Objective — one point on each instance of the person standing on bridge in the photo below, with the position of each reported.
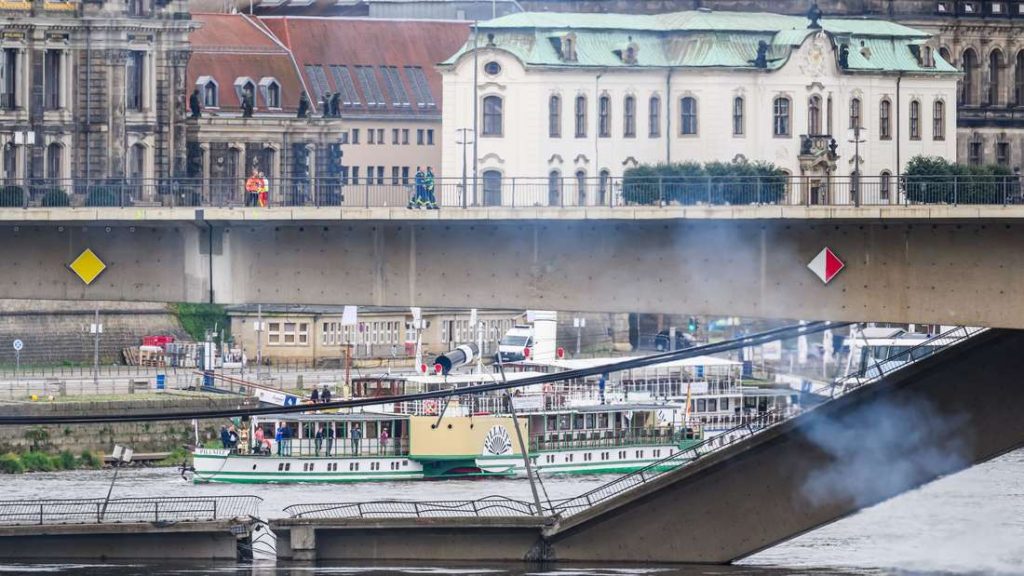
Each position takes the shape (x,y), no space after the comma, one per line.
(417,198)
(252,188)
(264,191)
(315,396)
(325,396)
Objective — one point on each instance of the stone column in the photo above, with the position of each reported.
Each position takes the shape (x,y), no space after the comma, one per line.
(176,110)
(117,60)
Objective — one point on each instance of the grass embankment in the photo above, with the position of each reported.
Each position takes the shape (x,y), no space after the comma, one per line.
(15,463)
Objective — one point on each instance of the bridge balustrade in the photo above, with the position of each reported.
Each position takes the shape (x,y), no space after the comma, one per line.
(99,510)
(517,192)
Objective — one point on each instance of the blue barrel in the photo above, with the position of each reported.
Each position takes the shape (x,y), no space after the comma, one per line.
(161,381)
(208,379)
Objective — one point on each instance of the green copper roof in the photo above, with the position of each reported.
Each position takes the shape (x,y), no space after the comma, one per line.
(696,39)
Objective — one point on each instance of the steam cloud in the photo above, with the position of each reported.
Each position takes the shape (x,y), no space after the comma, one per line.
(879,451)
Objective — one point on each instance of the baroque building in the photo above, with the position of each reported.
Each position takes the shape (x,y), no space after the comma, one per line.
(92,90)
(596,94)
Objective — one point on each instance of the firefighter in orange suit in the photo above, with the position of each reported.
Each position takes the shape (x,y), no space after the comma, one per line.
(264,191)
(252,188)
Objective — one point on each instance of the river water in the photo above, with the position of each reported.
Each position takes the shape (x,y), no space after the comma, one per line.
(968,523)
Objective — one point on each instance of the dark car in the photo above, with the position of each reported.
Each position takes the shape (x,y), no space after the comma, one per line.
(683,340)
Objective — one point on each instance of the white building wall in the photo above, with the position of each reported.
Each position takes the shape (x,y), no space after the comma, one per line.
(525,151)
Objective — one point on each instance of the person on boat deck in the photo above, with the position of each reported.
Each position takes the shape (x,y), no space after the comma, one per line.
(330,439)
(279,438)
(325,396)
(315,396)
(357,435)
(225,437)
(258,439)
(383,440)
(232,438)
(319,438)
(287,441)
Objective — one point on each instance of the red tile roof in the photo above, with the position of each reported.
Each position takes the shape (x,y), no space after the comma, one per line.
(231,46)
(358,42)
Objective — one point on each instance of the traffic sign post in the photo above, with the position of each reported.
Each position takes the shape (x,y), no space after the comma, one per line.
(18,345)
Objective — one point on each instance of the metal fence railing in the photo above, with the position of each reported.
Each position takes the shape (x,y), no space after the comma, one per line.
(761,423)
(489,506)
(516,192)
(98,510)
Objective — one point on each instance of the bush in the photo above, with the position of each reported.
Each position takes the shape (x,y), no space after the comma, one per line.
(90,460)
(713,183)
(935,180)
(12,196)
(99,196)
(11,464)
(66,460)
(38,462)
(55,198)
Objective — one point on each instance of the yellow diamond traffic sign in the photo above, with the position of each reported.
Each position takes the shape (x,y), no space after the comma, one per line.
(88,266)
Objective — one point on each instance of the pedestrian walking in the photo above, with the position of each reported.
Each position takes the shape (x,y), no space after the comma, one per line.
(330,440)
(315,396)
(325,396)
(318,440)
(252,188)
(418,197)
(357,435)
(428,190)
(383,449)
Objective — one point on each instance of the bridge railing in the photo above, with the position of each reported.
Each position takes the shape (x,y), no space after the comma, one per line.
(515,192)
(99,511)
(489,506)
(762,422)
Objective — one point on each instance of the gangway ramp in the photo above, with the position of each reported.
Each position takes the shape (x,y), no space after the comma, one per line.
(920,420)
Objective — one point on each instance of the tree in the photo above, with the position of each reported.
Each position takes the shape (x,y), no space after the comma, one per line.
(930,179)
(691,183)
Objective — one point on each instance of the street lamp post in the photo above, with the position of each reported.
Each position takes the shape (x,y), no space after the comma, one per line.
(464,135)
(856,137)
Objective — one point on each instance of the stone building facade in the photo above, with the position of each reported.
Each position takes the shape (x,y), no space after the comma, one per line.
(92,90)
(982,38)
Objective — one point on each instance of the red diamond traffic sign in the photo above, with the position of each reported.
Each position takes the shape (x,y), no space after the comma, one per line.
(826,265)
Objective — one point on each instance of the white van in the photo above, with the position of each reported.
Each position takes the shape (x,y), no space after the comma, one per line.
(512,346)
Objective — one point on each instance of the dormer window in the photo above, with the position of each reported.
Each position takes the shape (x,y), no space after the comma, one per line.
(565,46)
(209,91)
(244,85)
(270,88)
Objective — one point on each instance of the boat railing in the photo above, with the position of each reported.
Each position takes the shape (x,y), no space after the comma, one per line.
(99,510)
(762,422)
(341,447)
(489,506)
(610,438)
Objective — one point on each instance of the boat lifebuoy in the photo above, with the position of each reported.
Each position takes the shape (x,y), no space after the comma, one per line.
(430,407)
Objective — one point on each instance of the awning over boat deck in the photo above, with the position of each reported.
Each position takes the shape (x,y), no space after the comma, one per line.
(335,417)
(585,363)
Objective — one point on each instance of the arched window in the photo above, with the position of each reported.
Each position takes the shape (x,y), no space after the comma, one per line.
(581,188)
(629,117)
(1018,80)
(555,116)
(211,94)
(604,126)
(995,73)
(855,113)
(780,124)
(970,78)
(738,122)
(688,116)
(885,119)
(554,188)
(492,116)
(54,161)
(492,188)
(915,120)
(654,117)
(884,185)
(602,187)
(814,115)
(939,120)
(581,116)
